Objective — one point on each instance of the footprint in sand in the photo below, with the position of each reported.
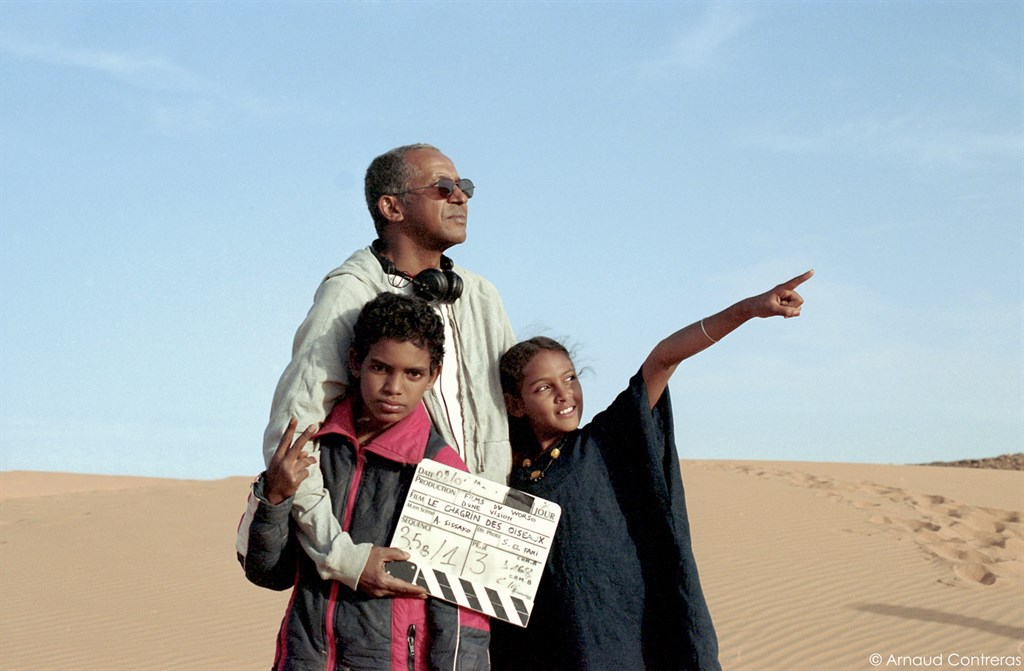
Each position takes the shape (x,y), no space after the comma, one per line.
(983,521)
(979,546)
(963,554)
(974,572)
(916,524)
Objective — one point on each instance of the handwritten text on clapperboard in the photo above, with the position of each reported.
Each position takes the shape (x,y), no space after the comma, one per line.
(477,532)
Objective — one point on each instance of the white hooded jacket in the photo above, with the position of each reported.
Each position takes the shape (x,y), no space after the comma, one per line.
(317,377)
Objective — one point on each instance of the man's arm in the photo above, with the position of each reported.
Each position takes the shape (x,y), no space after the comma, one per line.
(310,385)
(782,300)
(317,374)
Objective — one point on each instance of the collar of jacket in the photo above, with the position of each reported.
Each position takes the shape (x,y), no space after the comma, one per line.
(404,442)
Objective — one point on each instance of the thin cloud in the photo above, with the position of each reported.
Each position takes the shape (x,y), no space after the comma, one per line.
(183,100)
(702,45)
(150,72)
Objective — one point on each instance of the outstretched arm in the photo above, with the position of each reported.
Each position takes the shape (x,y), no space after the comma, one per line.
(782,301)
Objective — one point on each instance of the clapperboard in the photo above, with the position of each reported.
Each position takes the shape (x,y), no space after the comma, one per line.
(474,542)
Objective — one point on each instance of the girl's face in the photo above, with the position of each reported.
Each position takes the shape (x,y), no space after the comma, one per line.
(550,396)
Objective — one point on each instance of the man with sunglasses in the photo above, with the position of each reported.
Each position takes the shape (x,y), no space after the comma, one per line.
(419,207)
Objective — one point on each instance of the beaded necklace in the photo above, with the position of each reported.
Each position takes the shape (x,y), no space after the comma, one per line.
(543,461)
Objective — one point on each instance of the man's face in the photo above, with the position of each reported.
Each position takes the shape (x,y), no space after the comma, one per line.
(432,221)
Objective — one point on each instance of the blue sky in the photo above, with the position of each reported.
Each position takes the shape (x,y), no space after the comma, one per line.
(178,177)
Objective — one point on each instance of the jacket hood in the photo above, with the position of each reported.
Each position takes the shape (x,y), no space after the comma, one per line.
(404,442)
(364,265)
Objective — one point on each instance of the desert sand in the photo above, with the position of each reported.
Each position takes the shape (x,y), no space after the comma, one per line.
(806,566)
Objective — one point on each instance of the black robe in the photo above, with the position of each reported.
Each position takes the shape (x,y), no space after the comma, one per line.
(620,590)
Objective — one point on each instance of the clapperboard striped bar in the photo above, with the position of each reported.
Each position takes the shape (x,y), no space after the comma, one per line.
(473,542)
(450,587)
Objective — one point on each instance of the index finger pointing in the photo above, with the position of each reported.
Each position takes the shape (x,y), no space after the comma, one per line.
(798,280)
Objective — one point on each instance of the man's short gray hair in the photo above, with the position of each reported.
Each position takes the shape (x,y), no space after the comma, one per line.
(389,174)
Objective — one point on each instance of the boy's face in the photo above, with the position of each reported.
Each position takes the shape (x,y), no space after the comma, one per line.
(392,380)
(550,396)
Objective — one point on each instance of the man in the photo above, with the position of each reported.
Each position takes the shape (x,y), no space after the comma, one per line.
(419,207)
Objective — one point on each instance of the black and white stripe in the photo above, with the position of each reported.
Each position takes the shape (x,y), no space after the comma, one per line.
(497,603)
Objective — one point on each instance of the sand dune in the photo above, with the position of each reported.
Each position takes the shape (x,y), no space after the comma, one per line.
(819,566)
(806,566)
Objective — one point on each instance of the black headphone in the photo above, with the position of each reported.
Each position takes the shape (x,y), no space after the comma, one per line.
(431,284)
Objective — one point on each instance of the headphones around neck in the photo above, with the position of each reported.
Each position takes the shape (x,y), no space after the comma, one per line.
(431,284)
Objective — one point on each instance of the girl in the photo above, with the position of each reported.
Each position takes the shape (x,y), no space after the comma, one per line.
(620,590)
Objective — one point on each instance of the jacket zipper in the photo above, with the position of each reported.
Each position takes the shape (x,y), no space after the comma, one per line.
(353,489)
(410,642)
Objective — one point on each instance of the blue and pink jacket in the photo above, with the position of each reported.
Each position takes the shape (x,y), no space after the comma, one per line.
(329,626)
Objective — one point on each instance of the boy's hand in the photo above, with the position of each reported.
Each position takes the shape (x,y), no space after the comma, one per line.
(289,465)
(783,300)
(376,582)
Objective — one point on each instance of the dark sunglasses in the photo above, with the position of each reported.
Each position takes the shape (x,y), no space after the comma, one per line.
(445,187)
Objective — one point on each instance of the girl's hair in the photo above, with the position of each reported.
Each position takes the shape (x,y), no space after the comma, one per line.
(401,318)
(514,362)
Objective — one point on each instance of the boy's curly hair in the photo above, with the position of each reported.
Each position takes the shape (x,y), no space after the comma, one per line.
(400,318)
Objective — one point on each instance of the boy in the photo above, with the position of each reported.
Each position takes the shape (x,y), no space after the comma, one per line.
(369,447)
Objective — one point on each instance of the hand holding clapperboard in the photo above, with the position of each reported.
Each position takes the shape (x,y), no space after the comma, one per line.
(474,542)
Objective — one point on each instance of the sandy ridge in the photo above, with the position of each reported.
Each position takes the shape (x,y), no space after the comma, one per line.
(806,567)
(975,544)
